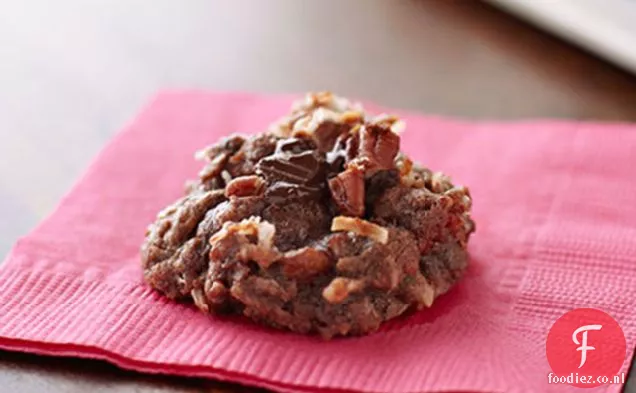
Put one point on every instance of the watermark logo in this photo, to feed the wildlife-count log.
(586, 348)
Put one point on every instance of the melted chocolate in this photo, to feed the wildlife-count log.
(294, 145)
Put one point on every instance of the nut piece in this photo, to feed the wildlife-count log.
(340, 288)
(347, 191)
(352, 117)
(378, 147)
(253, 226)
(244, 186)
(311, 122)
(263, 252)
(225, 175)
(216, 289)
(393, 122)
(440, 183)
(314, 110)
(199, 299)
(305, 263)
(460, 196)
(214, 167)
(427, 296)
(263, 256)
(360, 227)
(325, 99)
(404, 165)
(410, 175)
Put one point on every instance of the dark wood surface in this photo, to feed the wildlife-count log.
(73, 72)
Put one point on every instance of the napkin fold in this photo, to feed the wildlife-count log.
(555, 207)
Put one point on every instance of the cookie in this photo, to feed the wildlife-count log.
(317, 225)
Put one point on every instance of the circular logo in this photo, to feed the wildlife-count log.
(585, 348)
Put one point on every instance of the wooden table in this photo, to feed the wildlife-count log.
(73, 72)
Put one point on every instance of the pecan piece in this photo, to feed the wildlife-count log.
(327, 134)
(214, 167)
(378, 147)
(244, 186)
(305, 263)
(347, 191)
(263, 256)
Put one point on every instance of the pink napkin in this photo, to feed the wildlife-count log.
(555, 206)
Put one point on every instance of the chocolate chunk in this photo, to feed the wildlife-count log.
(293, 176)
(302, 169)
(255, 148)
(295, 145)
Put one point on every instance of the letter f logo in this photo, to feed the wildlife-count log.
(584, 347)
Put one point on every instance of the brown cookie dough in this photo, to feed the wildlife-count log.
(318, 225)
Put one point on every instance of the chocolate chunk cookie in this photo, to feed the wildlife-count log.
(318, 225)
